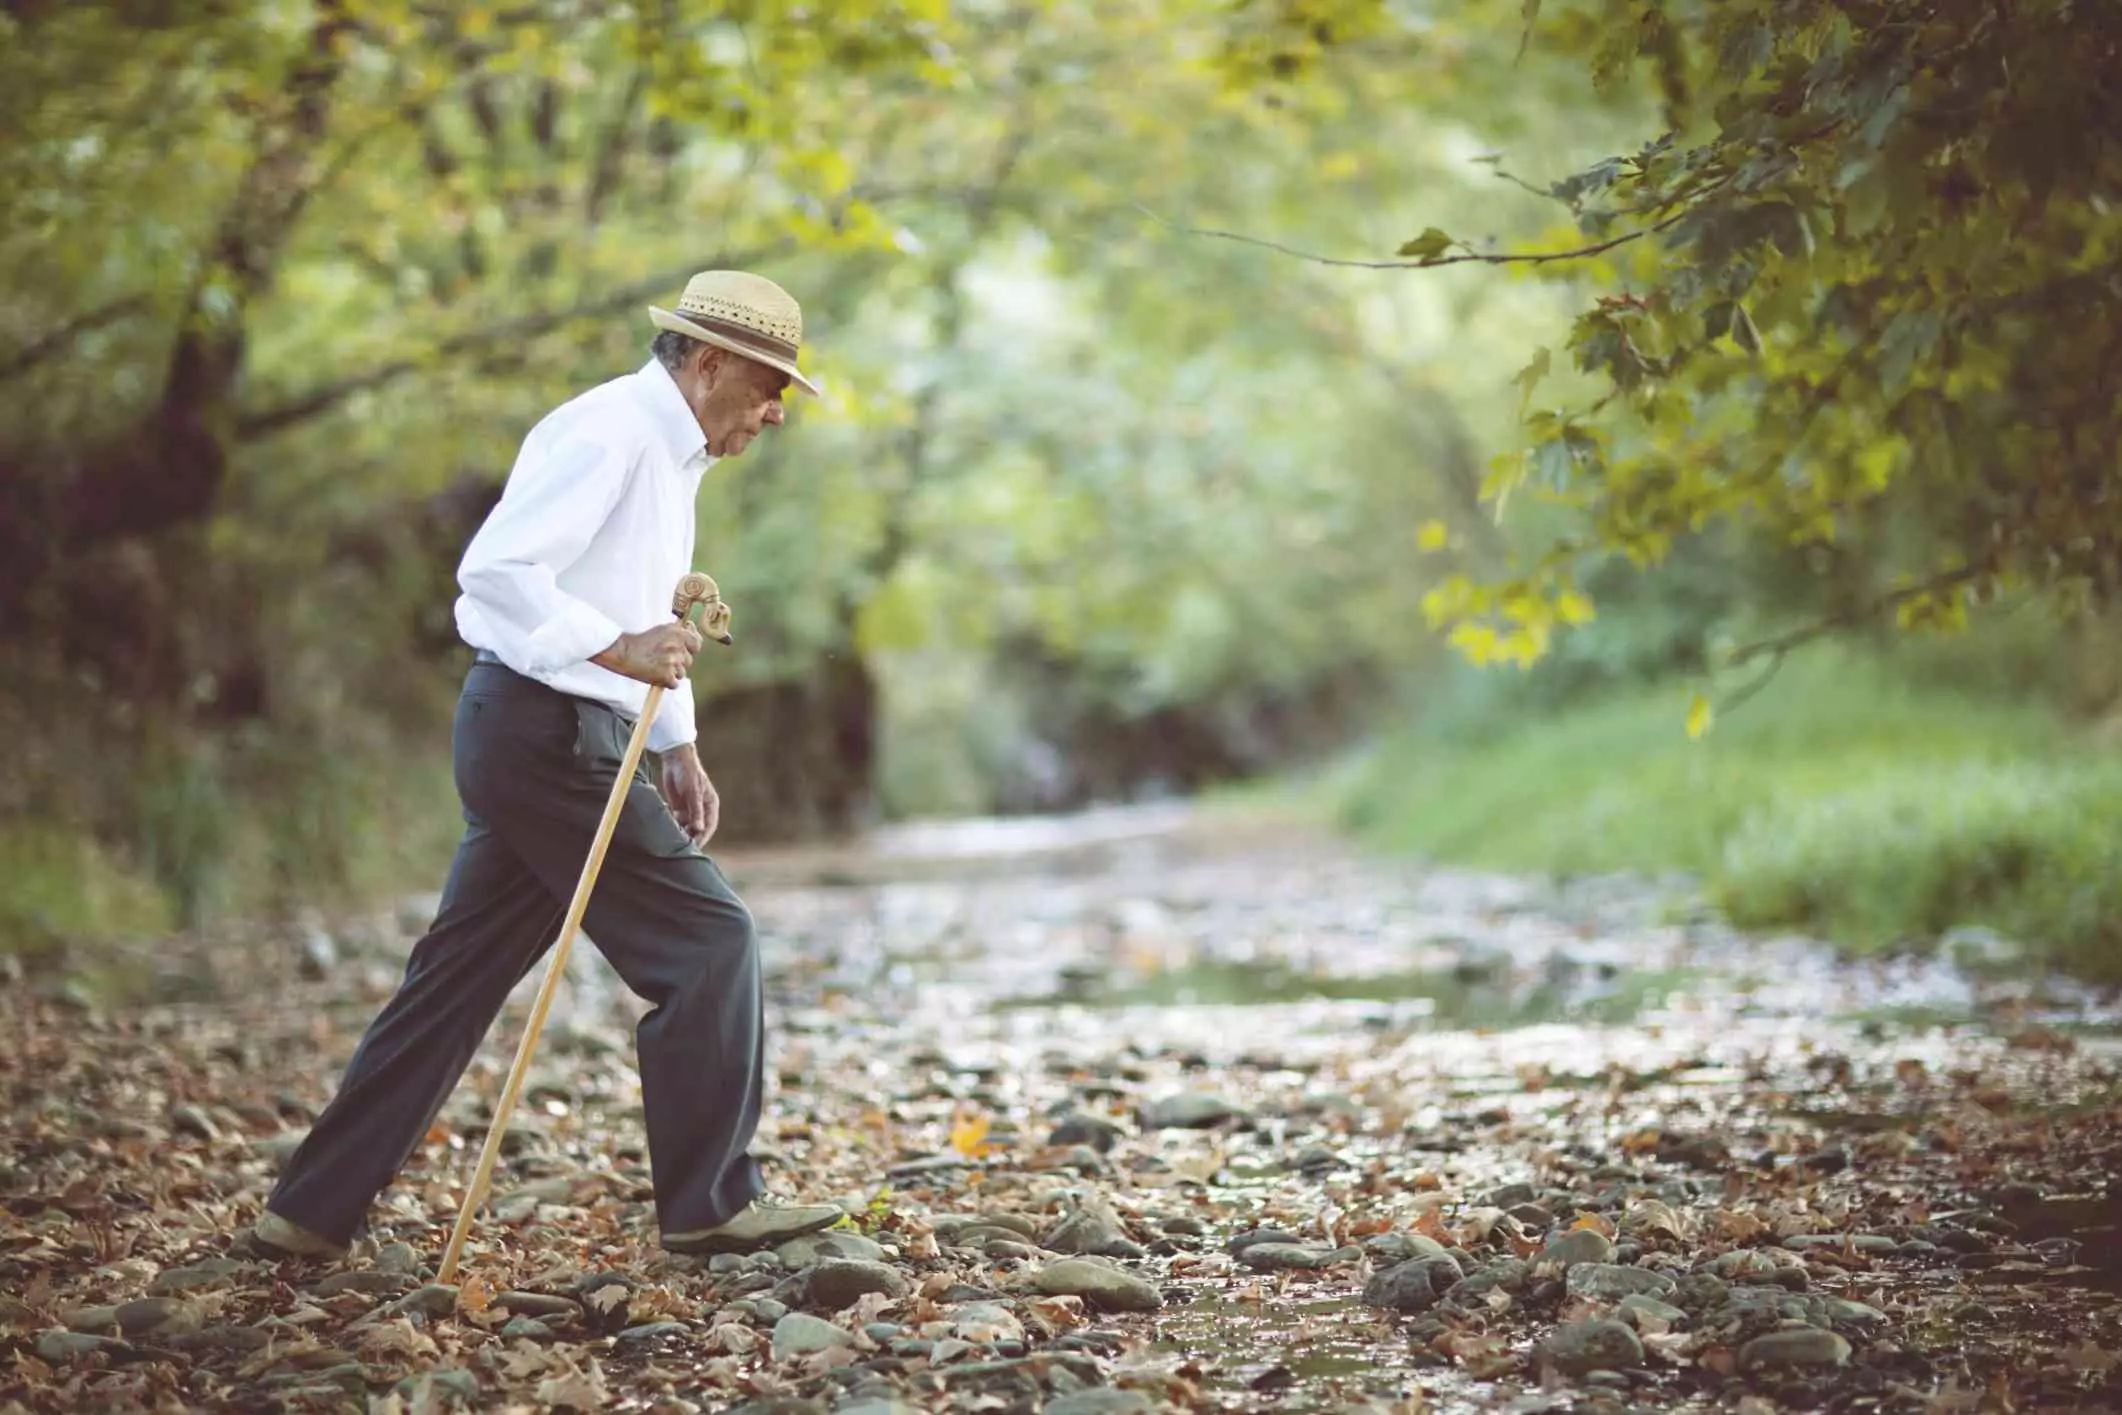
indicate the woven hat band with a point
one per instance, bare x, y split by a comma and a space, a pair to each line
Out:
739, 334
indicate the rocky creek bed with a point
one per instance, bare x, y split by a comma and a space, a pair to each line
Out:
1128, 1113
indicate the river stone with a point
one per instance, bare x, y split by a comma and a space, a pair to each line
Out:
1413, 1286
799, 1335
538, 1304
526, 1329
1083, 1129
841, 1282
1861, 1242
400, 1258
815, 1247
1100, 1400
1100, 1284
1638, 1308
1507, 1274
1509, 1196
1793, 1349
368, 1280
1580, 1348
59, 1346
1261, 1235
434, 1300
200, 1277
162, 1316
1403, 1247
1609, 1283
1189, 1110
1578, 1245
984, 1322
1293, 1257
649, 1331
1091, 1227
1843, 1312
1755, 1265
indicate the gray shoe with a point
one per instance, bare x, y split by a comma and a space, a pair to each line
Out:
764, 1223
281, 1237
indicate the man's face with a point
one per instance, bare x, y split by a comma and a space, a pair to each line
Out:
736, 400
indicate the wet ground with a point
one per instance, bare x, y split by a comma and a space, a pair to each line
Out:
1260, 1079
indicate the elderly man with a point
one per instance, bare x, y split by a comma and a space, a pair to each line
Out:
566, 602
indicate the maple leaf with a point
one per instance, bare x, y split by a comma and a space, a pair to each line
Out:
475, 1296
2086, 1357
968, 1135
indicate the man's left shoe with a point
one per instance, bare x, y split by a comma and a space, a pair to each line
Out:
763, 1223
276, 1237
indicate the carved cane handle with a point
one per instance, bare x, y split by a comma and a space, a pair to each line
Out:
698, 591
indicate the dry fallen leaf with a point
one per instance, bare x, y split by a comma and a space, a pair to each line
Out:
577, 1390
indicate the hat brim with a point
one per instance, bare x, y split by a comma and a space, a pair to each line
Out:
679, 324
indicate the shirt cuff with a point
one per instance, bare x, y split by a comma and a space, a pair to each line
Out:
570, 637
673, 726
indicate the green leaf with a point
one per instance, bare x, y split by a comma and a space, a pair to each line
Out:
1428, 246
1528, 378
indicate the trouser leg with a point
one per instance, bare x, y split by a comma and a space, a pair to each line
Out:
676, 933
494, 922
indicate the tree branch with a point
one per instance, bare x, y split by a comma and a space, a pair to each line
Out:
1540, 258
264, 422
1782, 644
54, 342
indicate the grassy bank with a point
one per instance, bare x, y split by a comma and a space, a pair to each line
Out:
1848, 800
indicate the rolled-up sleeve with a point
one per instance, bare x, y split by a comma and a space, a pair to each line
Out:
551, 507
673, 726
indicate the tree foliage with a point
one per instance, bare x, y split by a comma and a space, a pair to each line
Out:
1867, 267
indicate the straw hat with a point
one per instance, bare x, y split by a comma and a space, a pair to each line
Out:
743, 313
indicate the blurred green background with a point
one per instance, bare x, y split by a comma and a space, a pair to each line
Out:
1098, 506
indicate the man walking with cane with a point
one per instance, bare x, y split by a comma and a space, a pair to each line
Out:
566, 601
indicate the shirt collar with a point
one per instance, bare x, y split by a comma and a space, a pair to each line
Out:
673, 420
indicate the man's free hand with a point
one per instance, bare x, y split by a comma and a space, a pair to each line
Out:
658, 656
690, 795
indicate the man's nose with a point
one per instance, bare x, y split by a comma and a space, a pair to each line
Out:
773, 412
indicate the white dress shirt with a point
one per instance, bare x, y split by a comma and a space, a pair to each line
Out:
593, 531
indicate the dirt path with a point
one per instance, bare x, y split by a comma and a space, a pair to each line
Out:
1129, 1112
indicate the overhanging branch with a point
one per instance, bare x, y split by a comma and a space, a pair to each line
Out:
1530, 258
264, 422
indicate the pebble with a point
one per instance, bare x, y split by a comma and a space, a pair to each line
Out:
538, 1304
1099, 1284
883, 1333
649, 1331
1509, 1196
58, 1346
1638, 1308
434, 1300
1607, 1282
985, 1322
798, 1335
1402, 1247
841, 1282
191, 1120
1578, 1245
810, 1248
1261, 1235
526, 1329
1506, 1274
1861, 1242
1580, 1348
1292, 1257
368, 1280
1413, 1286
768, 1309
1185, 1226
400, 1258
1083, 1129
1794, 1348
1189, 1110
201, 1277
1091, 1227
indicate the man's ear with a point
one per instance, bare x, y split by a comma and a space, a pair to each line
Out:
709, 366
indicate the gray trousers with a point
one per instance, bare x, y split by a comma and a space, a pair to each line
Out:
534, 769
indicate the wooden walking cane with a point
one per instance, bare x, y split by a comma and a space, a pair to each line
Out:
695, 591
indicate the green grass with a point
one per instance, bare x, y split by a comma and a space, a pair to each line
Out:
1845, 800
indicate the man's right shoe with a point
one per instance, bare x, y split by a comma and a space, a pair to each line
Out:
763, 1223
285, 1238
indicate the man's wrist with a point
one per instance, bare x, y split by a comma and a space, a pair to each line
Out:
612, 654
682, 751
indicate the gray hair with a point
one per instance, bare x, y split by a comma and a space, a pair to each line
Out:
672, 349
